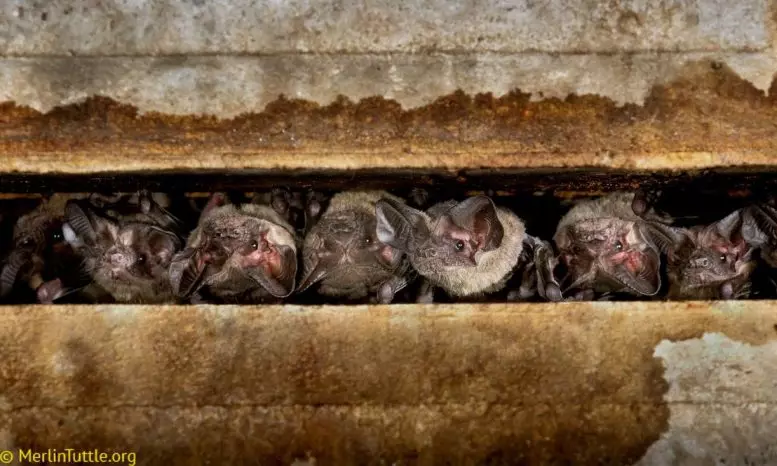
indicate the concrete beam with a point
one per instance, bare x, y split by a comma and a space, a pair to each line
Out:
165, 27
430, 384
228, 58
226, 86
706, 118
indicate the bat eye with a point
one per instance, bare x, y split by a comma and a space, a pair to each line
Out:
723, 258
618, 246
368, 240
141, 259
58, 236
255, 245
27, 242
459, 245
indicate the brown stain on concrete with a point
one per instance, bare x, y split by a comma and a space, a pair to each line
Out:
706, 117
454, 384
462, 384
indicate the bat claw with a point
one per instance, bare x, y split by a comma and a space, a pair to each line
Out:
385, 293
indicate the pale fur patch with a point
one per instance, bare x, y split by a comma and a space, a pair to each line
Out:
365, 200
613, 205
494, 267
70, 236
283, 235
127, 237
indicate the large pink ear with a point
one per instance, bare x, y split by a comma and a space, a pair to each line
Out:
283, 284
729, 230
478, 215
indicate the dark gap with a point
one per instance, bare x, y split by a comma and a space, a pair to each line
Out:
539, 197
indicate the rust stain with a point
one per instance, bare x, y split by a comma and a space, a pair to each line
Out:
468, 384
709, 117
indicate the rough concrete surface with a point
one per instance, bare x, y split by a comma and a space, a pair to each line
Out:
461, 384
586, 383
735, 383
228, 58
174, 27
227, 86
707, 117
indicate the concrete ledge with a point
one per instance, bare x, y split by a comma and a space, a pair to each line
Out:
707, 117
425, 384
226, 86
164, 27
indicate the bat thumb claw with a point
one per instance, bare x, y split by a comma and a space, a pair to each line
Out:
553, 292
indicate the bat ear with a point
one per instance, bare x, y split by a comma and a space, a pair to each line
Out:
478, 215
730, 227
563, 238
647, 281
216, 200
10, 272
397, 223
79, 220
315, 267
163, 244
86, 223
288, 276
759, 224
186, 272
281, 285
665, 237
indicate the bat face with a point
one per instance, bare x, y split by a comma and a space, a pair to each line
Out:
40, 252
130, 261
716, 257
234, 252
342, 253
609, 254
450, 235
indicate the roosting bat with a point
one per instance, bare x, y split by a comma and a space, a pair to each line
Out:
342, 253
469, 248
607, 248
714, 261
245, 254
40, 254
128, 257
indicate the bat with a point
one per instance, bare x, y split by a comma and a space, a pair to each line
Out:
343, 256
127, 256
468, 249
245, 254
40, 253
714, 261
606, 247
